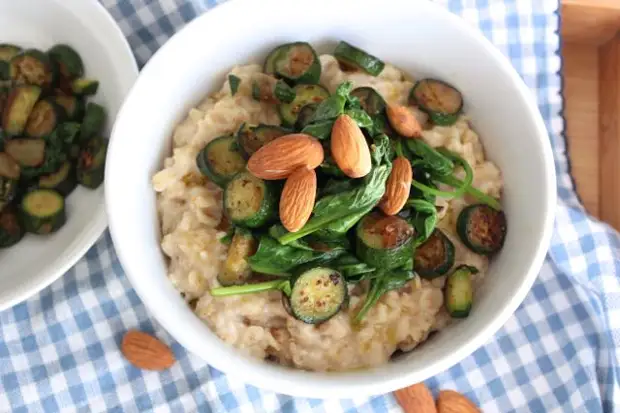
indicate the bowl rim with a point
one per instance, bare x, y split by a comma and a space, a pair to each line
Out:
301, 383
95, 11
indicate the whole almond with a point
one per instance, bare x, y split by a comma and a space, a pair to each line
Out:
403, 121
349, 148
145, 351
416, 399
280, 157
450, 401
297, 199
397, 187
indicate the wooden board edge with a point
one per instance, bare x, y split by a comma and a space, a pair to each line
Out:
609, 132
589, 21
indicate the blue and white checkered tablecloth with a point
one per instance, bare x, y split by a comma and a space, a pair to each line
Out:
59, 350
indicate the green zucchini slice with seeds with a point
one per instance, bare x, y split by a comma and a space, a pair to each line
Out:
26, 152
372, 102
84, 87
249, 201
482, 228
91, 163
384, 241
63, 180
435, 256
93, 122
44, 118
220, 160
69, 62
304, 95
32, 67
253, 137
17, 108
458, 294
441, 101
11, 231
269, 67
354, 58
42, 211
298, 63
10, 172
236, 267
73, 106
317, 295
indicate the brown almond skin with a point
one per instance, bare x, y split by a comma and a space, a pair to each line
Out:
297, 199
416, 399
349, 148
403, 121
450, 401
280, 157
145, 351
397, 187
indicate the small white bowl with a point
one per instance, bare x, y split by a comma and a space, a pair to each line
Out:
420, 38
37, 261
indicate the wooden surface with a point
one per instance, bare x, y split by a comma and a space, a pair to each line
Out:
581, 111
609, 131
591, 52
591, 22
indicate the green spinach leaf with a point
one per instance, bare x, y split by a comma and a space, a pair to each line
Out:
360, 117
233, 82
320, 130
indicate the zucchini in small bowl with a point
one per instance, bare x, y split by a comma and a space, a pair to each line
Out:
249, 201
63, 180
317, 295
220, 160
42, 211
9, 178
68, 61
384, 241
44, 118
11, 231
482, 228
17, 108
91, 163
33, 67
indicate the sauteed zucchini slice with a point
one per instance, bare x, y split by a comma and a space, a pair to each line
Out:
220, 160
441, 101
435, 256
482, 228
356, 59
249, 201
317, 295
384, 241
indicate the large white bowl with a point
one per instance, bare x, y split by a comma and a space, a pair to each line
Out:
417, 36
39, 260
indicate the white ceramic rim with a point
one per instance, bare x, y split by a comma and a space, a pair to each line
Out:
336, 385
102, 21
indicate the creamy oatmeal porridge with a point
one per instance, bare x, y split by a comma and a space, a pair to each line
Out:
313, 297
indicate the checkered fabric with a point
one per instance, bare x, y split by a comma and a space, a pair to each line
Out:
59, 350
